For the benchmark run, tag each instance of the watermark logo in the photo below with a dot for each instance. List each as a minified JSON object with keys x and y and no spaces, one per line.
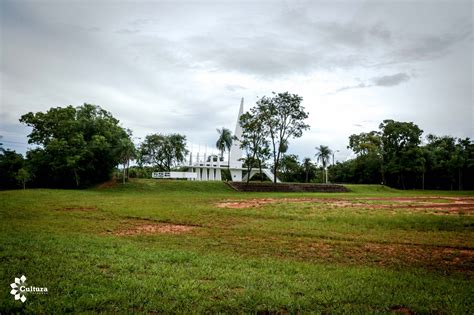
{"x":20,"y":289}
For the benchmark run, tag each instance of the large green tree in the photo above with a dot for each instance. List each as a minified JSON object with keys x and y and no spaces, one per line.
{"x":10,"y":163}
{"x":401,"y":152}
{"x":78,"y":146}
{"x":368,"y":147}
{"x":283,"y":117}
{"x":163,"y":151}
{"x":253,"y":141}
{"x":449,"y":158}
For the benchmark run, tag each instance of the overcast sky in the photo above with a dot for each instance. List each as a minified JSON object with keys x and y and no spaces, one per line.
{"x":183,"y":66}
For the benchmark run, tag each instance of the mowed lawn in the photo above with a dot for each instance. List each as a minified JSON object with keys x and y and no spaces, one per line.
{"x":192,"y":247}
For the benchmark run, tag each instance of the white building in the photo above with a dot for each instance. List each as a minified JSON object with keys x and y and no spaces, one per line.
{"x":210,"y":167}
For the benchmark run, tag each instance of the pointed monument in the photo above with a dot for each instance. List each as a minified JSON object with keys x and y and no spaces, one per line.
{"x":235,"y":164}
{"x":210,"y":169}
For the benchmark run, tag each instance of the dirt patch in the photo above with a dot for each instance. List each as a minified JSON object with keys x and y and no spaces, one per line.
{"x":401,"y":310}
{"x":434,"y":205}
{"x":107,"y":185}
{"x":251,"y":203}
{"x":77,"y":209}
{"x":150,"y":229}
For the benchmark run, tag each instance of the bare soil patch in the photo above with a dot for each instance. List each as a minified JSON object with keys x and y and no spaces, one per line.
{"x":401,"y":310}
{"x":107,"y":185}
{"x":398,"y":255}
{"x":156,"y":228}
{"x":435,"y":205}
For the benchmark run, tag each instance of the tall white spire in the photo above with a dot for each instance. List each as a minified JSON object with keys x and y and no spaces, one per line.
{"x":235,"y":150}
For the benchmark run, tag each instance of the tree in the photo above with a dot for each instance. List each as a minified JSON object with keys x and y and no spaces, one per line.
{"x":253,"y":140}
{"x":307,"y":164}
{"x":401,"y":154}
{"x":224,"y":142}
{"x":163,"y":151}
{"x":283,"y":117}
{"x":323,"y":155}
{"x":449,"y":158}
{"x":368,"y":147}
{"x":23,"y":176}
{"x":127,"y":152}
{"x":10,"y":163}
{"x":291,"y":170}
{"x":77,"y":145}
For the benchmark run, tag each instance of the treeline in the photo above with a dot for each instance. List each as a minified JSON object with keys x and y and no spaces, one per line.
{"x":76,"y":147}
{"x":396,"y":156}
{"x":82,"y":146}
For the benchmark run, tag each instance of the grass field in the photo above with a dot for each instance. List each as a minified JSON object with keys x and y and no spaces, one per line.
{"x":193,"y":247}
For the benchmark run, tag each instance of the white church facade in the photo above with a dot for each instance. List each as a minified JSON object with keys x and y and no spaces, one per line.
{"x":209,"y":168}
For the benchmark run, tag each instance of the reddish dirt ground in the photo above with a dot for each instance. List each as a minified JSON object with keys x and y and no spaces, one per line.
{"x":436,"y":205}
{"x":149,"y":229}
{"x":107,"y":185}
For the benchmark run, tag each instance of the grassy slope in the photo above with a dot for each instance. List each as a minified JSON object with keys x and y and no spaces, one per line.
{"x":275,"y":258}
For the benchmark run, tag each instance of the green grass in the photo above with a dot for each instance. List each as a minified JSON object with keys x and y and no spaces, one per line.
{"x":278,"y":257}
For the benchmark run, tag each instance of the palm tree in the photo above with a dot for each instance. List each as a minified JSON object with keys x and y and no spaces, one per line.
{"x":224,"y":142}
{"x":323,"y":156}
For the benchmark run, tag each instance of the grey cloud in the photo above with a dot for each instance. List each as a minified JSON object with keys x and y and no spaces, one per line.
{"x":234,"y":88}
{"x":293,"y":42}
{"x":187,"y":67}
{"x":428,"y":47}
{"x":380,"y":31}
{"x":354,"y":35}
{"x":390,"y":80}
{"x":127,"y":31}
{"x":383,"y":81}
{"x":350,"y":87}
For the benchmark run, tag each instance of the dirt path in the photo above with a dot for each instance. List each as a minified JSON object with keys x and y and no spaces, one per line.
{"x":440,"y":205}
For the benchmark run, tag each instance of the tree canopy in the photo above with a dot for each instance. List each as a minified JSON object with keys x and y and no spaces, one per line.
{"x":282,"y":117}
{"x":396,"y":156}
{"x":224,"y":142}
{"x":78,"y":146}
{"x":162,"y":151}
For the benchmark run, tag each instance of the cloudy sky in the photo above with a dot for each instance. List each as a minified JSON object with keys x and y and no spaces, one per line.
{"x":172,"y":66}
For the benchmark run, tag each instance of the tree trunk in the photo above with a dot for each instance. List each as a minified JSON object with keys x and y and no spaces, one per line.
{"x":123,"y":174}
{"x":249,"y":169}
{"x":459,"y":179}
{"x":76,"y":178}
{"x":275,"y":168}
{"x":128,"y":168}
{"x":423,"y":181}
{"x":24,"y":185}
{"x":382,"y":171}
{"x":260,"y":169}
